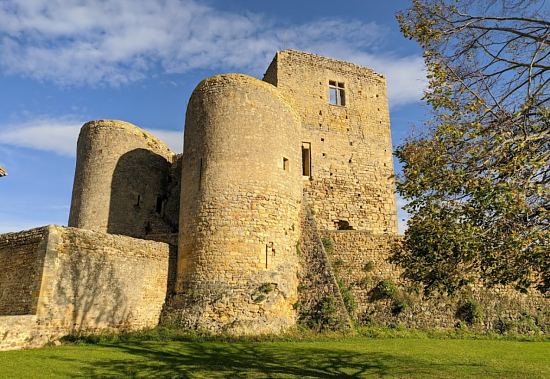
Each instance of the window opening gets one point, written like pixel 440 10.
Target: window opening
pixel 158 206
pixel 343 225
pixel 306 159
pixel 286 164
pixel 336 93
pixel 138 201
pixel 200 174
pixel 268 246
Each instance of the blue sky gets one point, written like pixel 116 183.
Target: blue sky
pixel 64 62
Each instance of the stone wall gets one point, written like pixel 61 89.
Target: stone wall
pixel 92 281
pixel 17 332
pixel 21 263
pixel 240 201
pixel 351 183
pixel 359 260
pixel 318 285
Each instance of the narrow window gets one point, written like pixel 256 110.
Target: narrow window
pixel 336 93
pixel 306 159
pixel 138 201
pixel 268 246
pixel 200 174
pixel 285 164
pixel 158 207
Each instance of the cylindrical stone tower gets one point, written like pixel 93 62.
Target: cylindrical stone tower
pixel 239 207
pixel 121 173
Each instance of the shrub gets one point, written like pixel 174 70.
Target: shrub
pixel 326 315
pixel 385 289
pixel 328 245
pixel 502 326
pixel 526 324
pixel 266 288
pixel 399 306
pixel 259 298
pixel 469 312
pixel 347 297
pixel 369 266
pixel 337 264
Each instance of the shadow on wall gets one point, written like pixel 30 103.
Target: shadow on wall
pixel 139 194
pixel 90 292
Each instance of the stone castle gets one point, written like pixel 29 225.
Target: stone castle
pixel 215 238
pixel 230 236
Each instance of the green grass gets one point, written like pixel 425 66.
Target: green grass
pixel 351 357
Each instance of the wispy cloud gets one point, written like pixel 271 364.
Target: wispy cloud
pixel 59 135
pixel 174 139
pixel 48 134
pixel 118 41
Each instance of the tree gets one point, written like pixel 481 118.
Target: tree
pixel 477 180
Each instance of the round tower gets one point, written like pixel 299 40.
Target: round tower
pixel 239 209
pixel 120 178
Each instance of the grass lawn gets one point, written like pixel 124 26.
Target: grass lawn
pixel 352 357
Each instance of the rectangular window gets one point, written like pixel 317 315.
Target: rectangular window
pixel 336 93
pixel 306 159
pixel 159 204
pixel 285 164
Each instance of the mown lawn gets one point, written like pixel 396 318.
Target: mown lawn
pixel 351 357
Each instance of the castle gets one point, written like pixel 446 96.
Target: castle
pixel 220 237
pixel 280 208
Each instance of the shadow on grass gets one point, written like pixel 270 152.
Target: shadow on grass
pixel 238 360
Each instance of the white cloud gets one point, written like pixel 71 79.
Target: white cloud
pixel 59 135
pixel 118 41
pixel 54 135
pixel 174 139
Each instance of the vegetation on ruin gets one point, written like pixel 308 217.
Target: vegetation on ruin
pixel 478 180
pixel 385 289
pixel 469 312
pixel 313 357
pixel 328 245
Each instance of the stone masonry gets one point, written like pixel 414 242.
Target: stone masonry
pixel 63 280
pixel 228 237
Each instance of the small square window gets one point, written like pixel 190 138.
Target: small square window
pixel 336 93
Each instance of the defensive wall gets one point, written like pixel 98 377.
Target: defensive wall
pixel 359 262
pixel 66 280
